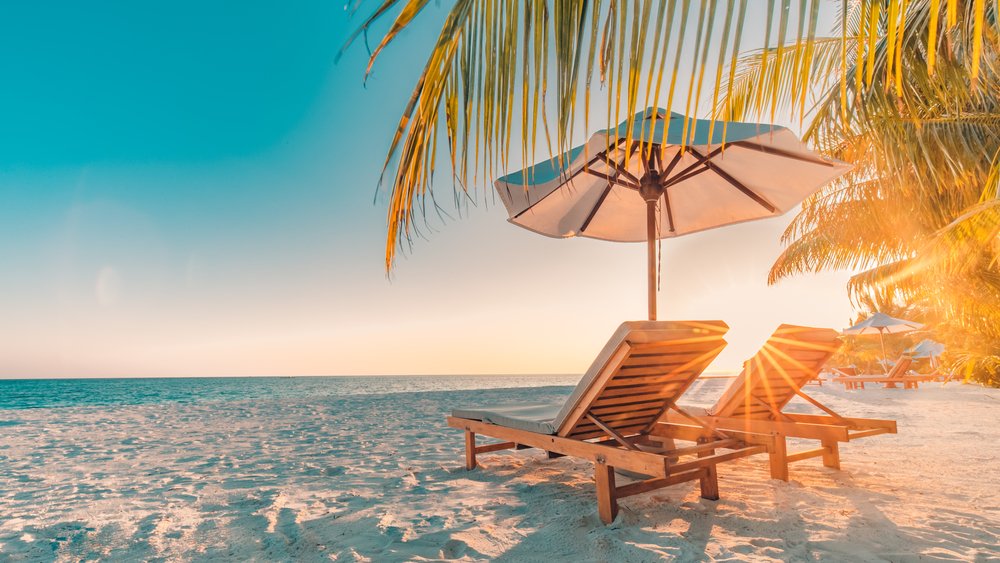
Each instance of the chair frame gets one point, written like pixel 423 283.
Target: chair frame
pixel 830 431
pixel 663 468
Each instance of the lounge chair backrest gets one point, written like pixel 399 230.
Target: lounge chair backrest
pixel 901 367
pixel 643 368
pixel 791 356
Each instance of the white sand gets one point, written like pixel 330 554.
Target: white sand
pixel 380 478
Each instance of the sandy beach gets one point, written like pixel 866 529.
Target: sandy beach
pixel 380 478
pixel 257 258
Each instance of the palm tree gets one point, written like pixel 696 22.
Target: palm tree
pixel 502 69
pixel 920 213
pixel 908 90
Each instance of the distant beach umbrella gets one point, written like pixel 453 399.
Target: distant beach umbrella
pixel 617 188
pixel 883 324
pixel 927 348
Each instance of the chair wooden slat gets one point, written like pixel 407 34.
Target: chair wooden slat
pixel 791 357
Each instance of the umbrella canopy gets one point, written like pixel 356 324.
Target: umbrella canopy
pixel 880 323
pixel 883 324
pixel 612 189
pixel 927 348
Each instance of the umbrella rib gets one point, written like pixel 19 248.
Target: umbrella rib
pixel 657 158
pixel 621 169
pixel 670 213
pixel 737 184
pixel 600 202
pixel 681 177
pixel 584 168
pixel 613 179
pixel 779 152
pixel 671 166
pixel 702 159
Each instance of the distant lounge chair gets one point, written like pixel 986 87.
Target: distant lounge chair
pixel 897 375
pixel 755 400
pixel 844 371
pixel 613 416
pixel 936 374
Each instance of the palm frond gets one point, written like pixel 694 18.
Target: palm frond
pixel 488 49
pixel 918 217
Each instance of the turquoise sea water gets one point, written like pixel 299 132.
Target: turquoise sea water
pixel 46 393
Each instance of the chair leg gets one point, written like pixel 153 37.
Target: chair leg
pixel 710 481
pixel 470 450
pixel 831 455
pixel 779 459
pixel 607 503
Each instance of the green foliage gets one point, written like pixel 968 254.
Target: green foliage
pixel 920 213
pixel 501 68
pixel 908 90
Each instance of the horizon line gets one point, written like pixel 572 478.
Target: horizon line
pixel 104 377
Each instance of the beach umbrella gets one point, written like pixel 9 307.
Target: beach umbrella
pixel 618 188
pixel 927 348
pixel 883 324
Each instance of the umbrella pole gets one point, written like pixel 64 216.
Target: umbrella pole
pixel 651 255
pixel 885 359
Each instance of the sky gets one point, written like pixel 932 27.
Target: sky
pixel 188 189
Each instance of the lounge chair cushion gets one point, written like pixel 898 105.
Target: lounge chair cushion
pixel 532 418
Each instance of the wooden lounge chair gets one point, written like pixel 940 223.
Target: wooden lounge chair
pixel 935 374
pixel 611 418
pixel 754 402
pixel 844 371
pixel 898 375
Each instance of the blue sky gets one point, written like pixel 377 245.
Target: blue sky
pixel 187 189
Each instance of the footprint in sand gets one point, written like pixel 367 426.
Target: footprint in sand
pixel 454 549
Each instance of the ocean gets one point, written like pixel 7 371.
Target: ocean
pixel 48 393
pixel 366 469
